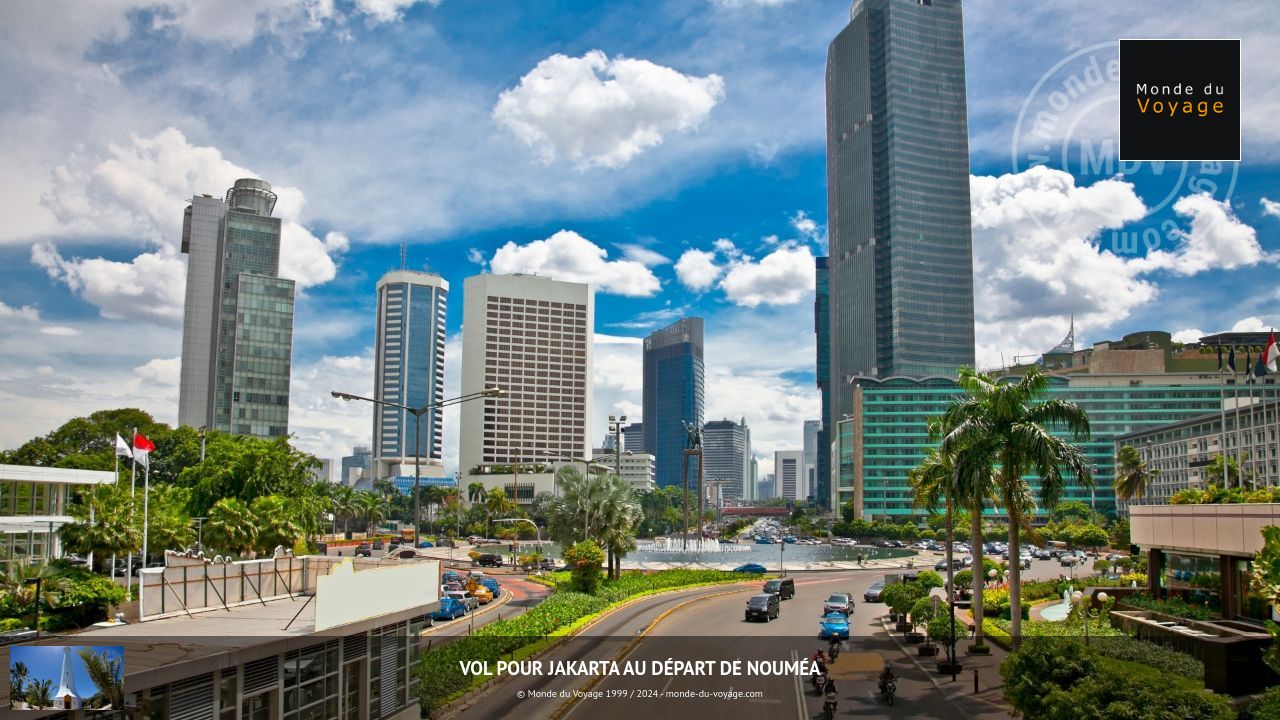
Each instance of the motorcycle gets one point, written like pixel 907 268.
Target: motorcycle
pixel 887 689
pixel 834 649
pixel 829 706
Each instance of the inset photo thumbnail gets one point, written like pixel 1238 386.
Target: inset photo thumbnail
pixel 66 677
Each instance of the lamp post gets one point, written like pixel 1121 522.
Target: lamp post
pixel 991 576
pixel 615 427
pixel 417 450
pixel 1087 611
pixel 38 582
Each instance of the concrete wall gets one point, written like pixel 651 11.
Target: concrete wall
pixel 1206 529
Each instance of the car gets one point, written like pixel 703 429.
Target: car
pixel 784 587
pixel 492 585
pixel 833 625
pixel 426 544
pixel 75 559
pixel 138 567
pixel 489 560
pixel 451 587
pixel 1043 554
pixel 840 602
pixel 756 568
pixel 450 609
pixel 451 576
pixel 956 564
pixel 762 540
pixel 465 598
pixel 764 605
pixel 364 549
pixel 1068 560
pixel 547 564
pixel 874 593
pixel 883 544
pixel 480 593
pixel 1025 562
pixel 377 545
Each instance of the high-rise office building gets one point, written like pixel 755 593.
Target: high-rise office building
pixel 633 437
pixel 673 395
pixel 788 471
pixel 726 446
pixel 811 430
pixel 237 324
pixel 531 337
pixel 822 329
pixel 752 491
pixel 356 466
pixel 900 266
pixel 409 369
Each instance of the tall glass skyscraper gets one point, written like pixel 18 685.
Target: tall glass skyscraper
pixel 900 265
pixel 673 392
pixel 237 327
pixel 822 328
pixel 409 366
pixel 726 445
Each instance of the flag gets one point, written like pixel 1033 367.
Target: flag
pixel 122 447
pixel 1219 358
pixel 142 448
pixel 1270 353
pixel 1248 364
pixel 1231 365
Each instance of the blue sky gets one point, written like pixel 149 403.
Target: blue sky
pixel 44 662
pixel 671 153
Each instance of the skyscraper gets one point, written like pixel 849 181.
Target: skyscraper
pixel 788 468
pixel 673 395
pixel 409 367
pixel 633 437
pixel 531 337
pixel 900 266
pixel 811 430
pixel 237 325
pixel 726 446
pixel 356 466
pixel 822 328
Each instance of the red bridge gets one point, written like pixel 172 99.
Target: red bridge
pixel 755 511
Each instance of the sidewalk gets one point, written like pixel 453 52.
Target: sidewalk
pixel 988 703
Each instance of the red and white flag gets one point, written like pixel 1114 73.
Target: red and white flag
pixel 142 448
pixel 1270 353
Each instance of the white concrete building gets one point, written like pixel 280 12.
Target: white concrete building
pixel 531 337
pixel 33 506
pixel 788 473
pixel 638 469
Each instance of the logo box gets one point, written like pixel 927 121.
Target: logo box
pixel 1180 100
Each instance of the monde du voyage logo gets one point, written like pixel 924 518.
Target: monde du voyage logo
pixel 1180 100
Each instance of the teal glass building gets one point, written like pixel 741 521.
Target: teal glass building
pixel 673 394
pixel 886 437
pixel 822 329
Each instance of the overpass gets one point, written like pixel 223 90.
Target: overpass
pixel 754 512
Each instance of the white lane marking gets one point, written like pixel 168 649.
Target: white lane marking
pixel 800 713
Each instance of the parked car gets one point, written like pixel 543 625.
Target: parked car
pixel 481 593
pixel 1068 560
pixel 874 592
pixel 137 567
pixel 426 544
pixel 956 564
pixel 751 568
pixel 838 602
pixel 364 550
pixel 465 598
pixel 784 587
pixel 833 624
pixel 377 545
pixel 765 606
pixel 451 576
pixel 450 609
pixel 1043 554
pixel 489 560
pixel 547 564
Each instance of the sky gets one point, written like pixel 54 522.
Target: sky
pixel 44 662
pixel 671 153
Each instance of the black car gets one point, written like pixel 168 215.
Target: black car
pixel 956 564
pixel 489 560
pixel 785 588
pixel 364 550
pixel 764 606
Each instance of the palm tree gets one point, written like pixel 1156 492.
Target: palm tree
pixel 496 504
pixel 1132 474
pixel 934 481
pixel 231 526
pixel 476 492
pixel 107 673
pixel 1007 427
pixel 567 514
pixel 18 674
pixel 620 515
pixel 112 530
pixel 342 505
pixel 40 694
pixel 275 518
pixel 373 507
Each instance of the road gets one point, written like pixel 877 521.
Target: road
pixel 708 624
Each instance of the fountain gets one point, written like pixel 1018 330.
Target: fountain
pixel 696 545
pixel 1059 612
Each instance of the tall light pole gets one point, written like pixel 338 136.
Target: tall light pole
pixel 417 450
pixel 615 427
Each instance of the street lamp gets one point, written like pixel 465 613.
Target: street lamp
pixel 1087 611
pixel 615 427
pixel 991 575
pixel 417 435
pixel 37 581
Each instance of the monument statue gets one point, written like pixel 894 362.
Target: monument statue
pixel 693 435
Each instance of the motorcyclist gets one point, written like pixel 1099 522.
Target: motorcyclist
pixel 833 647
pixel 887 676
pixel 820 668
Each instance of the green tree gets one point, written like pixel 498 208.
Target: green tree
pixel 40 694
pixel 112 531
pixel 1118 534
pixel 584 561
pixel 170 527
pixel 276 522
pixel 476 493
pixel 1265 584
pixel 1132 474
pixel 342 504
pixel 1008 427
pixel 1043 665
pixel 18 674
pixel 1088 535
pixel 373 508
pixel 107 673
pixel 1071 511
pixel 231 527
pixel 619 517
pixel 1214 471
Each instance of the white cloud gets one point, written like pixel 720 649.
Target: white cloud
pixel 139 192
pixel 383 11
pixel 475 256
pixel 595 111
pixel 782 277
pixel 26 312
pixel 160 371
pixel 1217 240
pixel 321 424
pixel 807 228
pixel 59 330
pixel 1189 335
pixel 567 255
pixel 1270 207
pixel 645 256
pixel 1250 324
pixel 697 270
pixel 653 319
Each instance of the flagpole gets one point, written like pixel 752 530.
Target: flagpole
pixel 1222 419
pixel 1235 394
pixel 133 487
pixel 146 517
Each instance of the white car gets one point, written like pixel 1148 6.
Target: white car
pixel 469 601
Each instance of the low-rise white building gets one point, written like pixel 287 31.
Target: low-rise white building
pixel 638 469
pixel 33 506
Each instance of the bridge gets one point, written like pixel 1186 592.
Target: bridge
pixel 754 512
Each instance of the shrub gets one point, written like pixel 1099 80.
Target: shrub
pixel 1115 695
pixel 584 561
pixel 1264 707
pixel 929 579
pixel 1150 654
pixel 963 579
pixel 921 612
pixel 901 596
pixel 996 603
pixel 1041 667
pixel 940 628
pixel 1171 606
pixel 10 624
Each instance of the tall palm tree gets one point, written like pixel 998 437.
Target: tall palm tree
pixel 476 492
pixel 112 530
pixel 620 515
pixel 40 694
pixel 1132 474
pixel 107 673
pixel 934 482
pixel 231 526
pixel 18 674
pixel 342 503
pixel 373 508
pixel 1006 426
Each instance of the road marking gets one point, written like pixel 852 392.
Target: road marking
pixel 800 711
pixel 668 684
